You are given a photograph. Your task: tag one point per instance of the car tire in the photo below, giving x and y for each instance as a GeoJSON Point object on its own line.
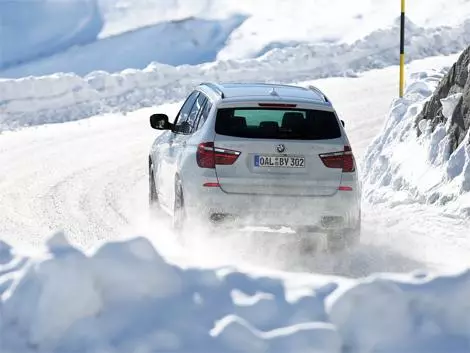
{"type": "Point", "coordinates": [179, 212]}
{"type": "Point", "coordinates": [153, 195]}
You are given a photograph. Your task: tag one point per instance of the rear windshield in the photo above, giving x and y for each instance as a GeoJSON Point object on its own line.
{"type": "Point", "coordinates": [268, 123]}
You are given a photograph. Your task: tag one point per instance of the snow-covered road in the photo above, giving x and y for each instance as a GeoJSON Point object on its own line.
{"type": "Point", "coordinates": [89, 179]}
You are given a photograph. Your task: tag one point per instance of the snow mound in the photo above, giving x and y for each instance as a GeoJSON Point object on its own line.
{"type": "Point", "coordinates": [187, 41]}
{"type": "Point", "coordinates": [65, 97]}
{"type": "Point", "coordinates": [415, 313]}
{"type": "Point", "coordinates": [400, 166]}
{"type": "Point", "coordinates": [125, 297]}
{"type": "Point", "coordinates": [32, 29]}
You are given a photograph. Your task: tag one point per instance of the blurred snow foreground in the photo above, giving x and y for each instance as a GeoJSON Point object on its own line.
{"type": "Point", "coordinates": [126, 298]}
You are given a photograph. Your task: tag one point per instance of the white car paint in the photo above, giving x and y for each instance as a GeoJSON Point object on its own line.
{"type": "Point", "coordinates": [304, 198]}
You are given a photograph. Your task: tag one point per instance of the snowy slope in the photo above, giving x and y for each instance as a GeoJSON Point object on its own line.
{"type": "Point", "coordinates": [32, 29]}
{"type": "Point", "coordinates": [280, 22]}
{"type": "Point", "coordinates": [147, 31]}
{"type": "Point", "coordinates": [124, 297]}
{"type": "Point", "coordinates": [187, 41]}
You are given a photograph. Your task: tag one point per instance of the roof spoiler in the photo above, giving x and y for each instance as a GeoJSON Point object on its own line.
{"type": "Point", "coordinates": [317, 90]}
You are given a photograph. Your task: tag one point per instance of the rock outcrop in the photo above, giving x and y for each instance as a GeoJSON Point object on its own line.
{"type": "Point", "coordinates": [455, 84]}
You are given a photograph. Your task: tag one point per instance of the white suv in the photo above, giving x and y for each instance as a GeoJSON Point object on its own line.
{"type": "Point", "coordinates": [271, 155]}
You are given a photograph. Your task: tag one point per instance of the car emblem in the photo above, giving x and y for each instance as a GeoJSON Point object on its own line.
{"type": "Point", "coordinates": [280, 148]}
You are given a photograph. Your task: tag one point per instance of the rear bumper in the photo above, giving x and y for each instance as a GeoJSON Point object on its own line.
{"type": "Point", "coordinates": [339, 211]}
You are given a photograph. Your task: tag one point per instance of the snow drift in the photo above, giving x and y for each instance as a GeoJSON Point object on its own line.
{"type": "Point", "coordinates": [419, 156]}
{"type": "Point", "coordinates": [32, 29]}
{"type": "Point", "coordinates": [65, 97]}
{"type": "Point", "coordinates": [125, 297]}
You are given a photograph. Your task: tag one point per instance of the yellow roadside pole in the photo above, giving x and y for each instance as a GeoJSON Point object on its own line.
{"type": "Point", "coordinates": [402, 49]}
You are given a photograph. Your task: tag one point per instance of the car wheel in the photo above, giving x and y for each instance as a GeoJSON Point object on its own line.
{"type": "Point", "coordinates": [179, 213]}
{"type": "Point", "coordinates": [153, 196]}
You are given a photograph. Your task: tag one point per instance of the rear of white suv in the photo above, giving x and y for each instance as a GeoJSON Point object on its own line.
{"type": "Point", "coordinates": [265, 155]}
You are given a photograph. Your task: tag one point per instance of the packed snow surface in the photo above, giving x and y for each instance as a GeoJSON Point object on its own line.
{"type": "Point", "coordinates": [89, 178]}
{"type": "Point", "coordinates": [34, 29]}
{"type": "Point", "coordinates": [125, 297]}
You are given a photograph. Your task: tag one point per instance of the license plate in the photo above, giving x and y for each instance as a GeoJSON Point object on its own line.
{"type": "Point", "coordinates": [264, 161]}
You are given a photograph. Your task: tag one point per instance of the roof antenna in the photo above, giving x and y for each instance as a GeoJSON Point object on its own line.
{"type": "Point", "coordinates": [273, 92]}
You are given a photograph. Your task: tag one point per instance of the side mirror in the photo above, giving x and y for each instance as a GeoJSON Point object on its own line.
{"type": "Point", "coordinates": [342, 122]}
{"type": "Point", "coordinates": [160, 122]}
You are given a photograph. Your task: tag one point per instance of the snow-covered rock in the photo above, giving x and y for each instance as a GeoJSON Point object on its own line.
{"type": "Point", "coordinates": [423, 151]}
{"type": "Point", "coordinates": [125, 297]}
{"type": "Point", "coordinates": [451, 102]}
{"type": "Point", "coordinates": [33, 29]}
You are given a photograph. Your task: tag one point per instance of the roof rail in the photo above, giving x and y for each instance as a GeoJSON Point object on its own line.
{"type": "Point", "coordinates": [216, 87]}
{"type": "Point", "coordinates": [317, 90]}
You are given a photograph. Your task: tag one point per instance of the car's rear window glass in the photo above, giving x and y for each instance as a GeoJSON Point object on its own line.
{"type": "Point", "coordinates": [268, 123]}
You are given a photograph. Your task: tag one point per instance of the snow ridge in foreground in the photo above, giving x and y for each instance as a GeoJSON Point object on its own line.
{"type": "Point", "coordinates": [400, 167]}
{"type": "Point", "coordinates": [125, 297]}
{"type": "Point", "coordinates": [66, 97]}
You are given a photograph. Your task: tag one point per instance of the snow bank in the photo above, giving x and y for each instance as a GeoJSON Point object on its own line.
{"type": "Point", "coordinates": [64, 97]}
{"type": "Point", "coordinates": [126, 298]}
{"type": "Point", "coordinates": [187, 41]}
{"type": "Point", "coordinates": [32, 29]}
{"type": "Point", "coordinates": [401, 167]}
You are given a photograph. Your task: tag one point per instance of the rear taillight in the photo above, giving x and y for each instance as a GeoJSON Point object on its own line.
{"type": "Point", "coordinates": [205, 155]}
{"type": "Point", "coordinates": [349, 163]}
{"type": "Point", "coordinates": [340, 160]}
{"type": "Point", "coordinates": [208, 156]}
